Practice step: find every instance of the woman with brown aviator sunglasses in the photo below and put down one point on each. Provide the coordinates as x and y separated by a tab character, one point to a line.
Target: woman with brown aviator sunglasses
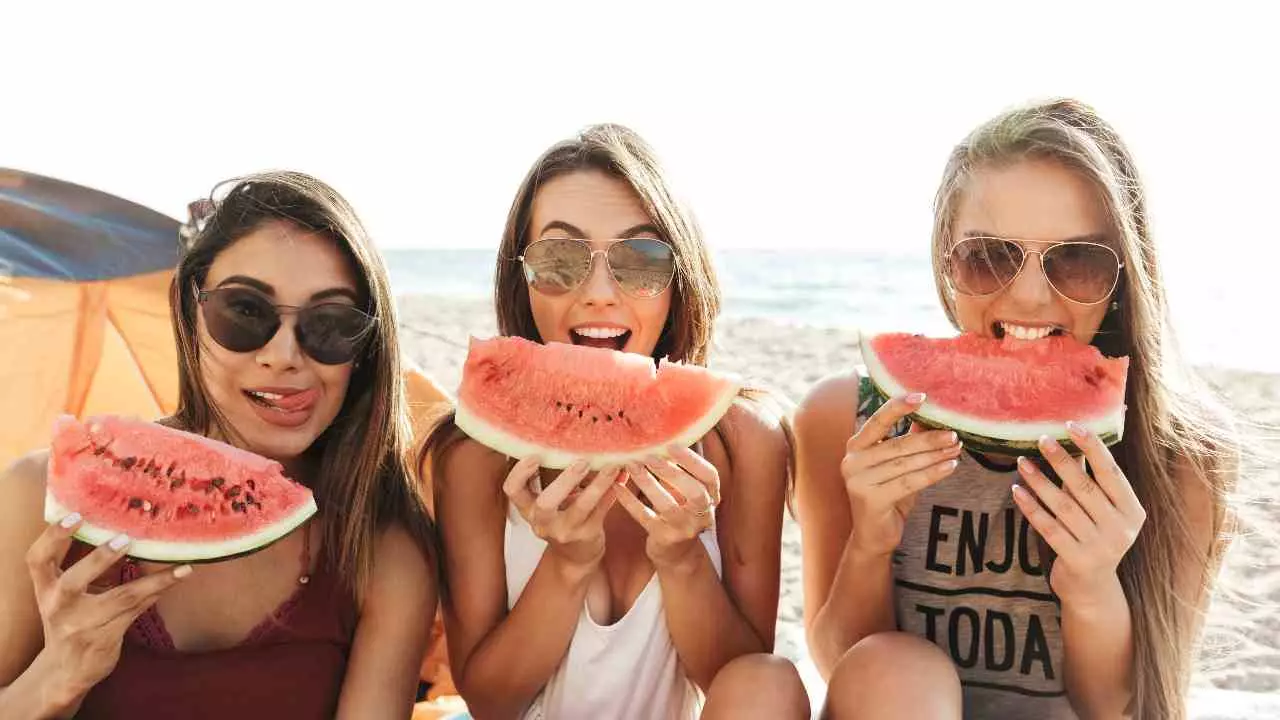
646	591
287	348
941	583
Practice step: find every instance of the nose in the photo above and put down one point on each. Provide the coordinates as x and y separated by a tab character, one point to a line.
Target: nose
282	351
1031	287
599	289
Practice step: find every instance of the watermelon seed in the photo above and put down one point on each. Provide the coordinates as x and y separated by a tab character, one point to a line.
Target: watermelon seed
569	407
579	413
135	503
233	492
619	414
559	404
172	467
192	509
238	507
595	419
248	498
129	462
100	450
176	483
217	482
252	485
608	418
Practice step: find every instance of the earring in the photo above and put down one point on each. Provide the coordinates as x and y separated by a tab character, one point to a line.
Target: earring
1115	305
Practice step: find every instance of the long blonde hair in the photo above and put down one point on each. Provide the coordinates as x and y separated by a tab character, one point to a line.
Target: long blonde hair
364	483
1174	424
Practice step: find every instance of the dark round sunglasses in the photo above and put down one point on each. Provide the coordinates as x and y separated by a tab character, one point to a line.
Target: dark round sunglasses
243	320
642	267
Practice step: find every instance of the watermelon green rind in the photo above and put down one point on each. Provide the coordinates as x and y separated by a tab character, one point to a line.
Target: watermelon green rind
513	446
979	435
183	552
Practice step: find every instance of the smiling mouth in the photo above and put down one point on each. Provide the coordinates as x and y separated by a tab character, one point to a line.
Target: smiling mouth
609	338
1001	329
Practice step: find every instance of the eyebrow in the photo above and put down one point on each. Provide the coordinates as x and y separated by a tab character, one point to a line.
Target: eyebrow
266	289
1096	238
578	233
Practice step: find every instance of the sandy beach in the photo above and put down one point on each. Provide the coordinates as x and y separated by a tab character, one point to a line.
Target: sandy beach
1242	646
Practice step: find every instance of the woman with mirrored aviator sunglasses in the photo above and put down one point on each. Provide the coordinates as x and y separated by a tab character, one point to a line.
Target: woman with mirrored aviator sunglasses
287	348
644	591
944	583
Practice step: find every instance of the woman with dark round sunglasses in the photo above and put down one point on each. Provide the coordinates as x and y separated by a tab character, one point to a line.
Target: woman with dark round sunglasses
646	591
941	583
287	347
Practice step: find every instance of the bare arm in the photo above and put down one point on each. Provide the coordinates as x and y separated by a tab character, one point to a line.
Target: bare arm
500	660
712	621
26	681
847	595
391	636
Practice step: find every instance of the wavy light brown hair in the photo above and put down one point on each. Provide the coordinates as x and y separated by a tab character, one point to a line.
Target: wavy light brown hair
364	483
1175	428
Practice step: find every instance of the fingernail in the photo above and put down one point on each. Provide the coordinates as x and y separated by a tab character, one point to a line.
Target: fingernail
70	520
1077	430
182	571
953	438
1018	491
1047	444
915	398
952	464
119	542
1023	463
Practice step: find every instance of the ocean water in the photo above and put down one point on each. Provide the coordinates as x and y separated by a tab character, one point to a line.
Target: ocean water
883	290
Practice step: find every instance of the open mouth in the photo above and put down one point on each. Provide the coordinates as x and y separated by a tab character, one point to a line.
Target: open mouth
1001	329
609	338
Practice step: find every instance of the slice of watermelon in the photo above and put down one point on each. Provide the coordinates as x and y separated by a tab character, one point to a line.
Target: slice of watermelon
1001	396
563	402
180	497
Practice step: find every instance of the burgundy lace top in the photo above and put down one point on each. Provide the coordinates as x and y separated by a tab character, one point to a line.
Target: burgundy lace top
290	666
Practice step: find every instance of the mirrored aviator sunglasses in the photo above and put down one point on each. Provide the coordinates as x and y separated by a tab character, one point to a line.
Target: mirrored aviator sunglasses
243	320
642	267
1082	272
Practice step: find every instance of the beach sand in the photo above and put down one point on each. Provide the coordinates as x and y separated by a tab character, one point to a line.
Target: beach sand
1242	647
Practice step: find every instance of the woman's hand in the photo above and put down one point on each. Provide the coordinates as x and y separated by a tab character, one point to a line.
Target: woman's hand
682	491
1089	522
567	515
83	631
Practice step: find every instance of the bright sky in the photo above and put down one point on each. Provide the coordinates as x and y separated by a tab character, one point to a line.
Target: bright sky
796	124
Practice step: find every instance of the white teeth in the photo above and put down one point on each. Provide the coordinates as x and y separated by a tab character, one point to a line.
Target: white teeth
1023	332
600	332
266	395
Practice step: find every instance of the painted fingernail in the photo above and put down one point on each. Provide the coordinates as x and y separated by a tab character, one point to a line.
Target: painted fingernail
182	571
953	438
1024	464
70	520
119	542
915	398
1077	430
1019	491
1047	444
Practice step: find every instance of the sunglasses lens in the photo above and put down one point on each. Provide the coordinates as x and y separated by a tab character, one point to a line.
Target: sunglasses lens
981	266
555	266
1084	272
239	319
332	333
643	267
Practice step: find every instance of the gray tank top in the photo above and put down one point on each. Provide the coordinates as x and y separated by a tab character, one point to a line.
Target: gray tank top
968	576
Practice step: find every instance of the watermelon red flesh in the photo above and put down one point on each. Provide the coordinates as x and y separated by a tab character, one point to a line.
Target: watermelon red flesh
180	497
564	402
1002	394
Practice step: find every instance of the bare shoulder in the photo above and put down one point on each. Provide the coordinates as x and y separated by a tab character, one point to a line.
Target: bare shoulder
829	407
22	487
402	572
752	434
470	469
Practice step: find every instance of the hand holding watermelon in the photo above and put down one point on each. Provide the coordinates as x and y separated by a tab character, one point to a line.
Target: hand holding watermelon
83	631
1090	522
883	475
682	492
566	515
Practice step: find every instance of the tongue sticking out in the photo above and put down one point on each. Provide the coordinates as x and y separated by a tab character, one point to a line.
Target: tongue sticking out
288	403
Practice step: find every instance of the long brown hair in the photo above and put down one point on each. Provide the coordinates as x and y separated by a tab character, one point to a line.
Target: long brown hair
1173	425
621	153
363	483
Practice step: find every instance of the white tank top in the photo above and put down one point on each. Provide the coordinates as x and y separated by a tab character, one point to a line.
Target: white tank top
625	671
